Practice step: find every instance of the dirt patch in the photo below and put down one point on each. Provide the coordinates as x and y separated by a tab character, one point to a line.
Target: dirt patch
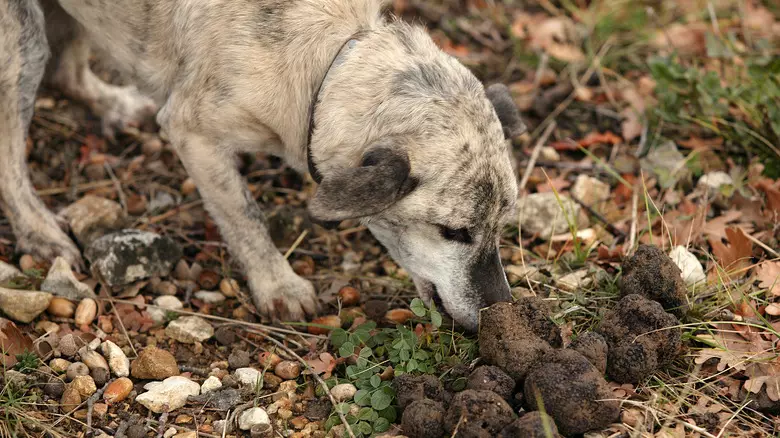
477	414
652	274
594	347
572	392
531	425
642	338
507	340
424	419
410	388
492	378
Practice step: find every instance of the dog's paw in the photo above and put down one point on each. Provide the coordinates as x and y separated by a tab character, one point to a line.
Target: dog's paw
49	243
285	297
124	107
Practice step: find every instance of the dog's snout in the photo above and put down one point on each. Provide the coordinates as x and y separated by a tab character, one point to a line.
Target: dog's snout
487	277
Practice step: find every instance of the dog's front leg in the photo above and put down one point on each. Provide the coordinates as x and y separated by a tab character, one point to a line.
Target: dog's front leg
276	290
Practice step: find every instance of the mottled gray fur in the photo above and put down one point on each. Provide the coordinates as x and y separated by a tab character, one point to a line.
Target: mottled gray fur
406	138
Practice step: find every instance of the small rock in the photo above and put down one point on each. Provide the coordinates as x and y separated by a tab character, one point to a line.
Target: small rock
68	346
424	419
76	369
85	312
70	399
410	388
571	391
209	297
54	388
47	327
189	329
318	409
652	274
253	416
168	395
92	359
225	335
492	378
271	381
324	324
349	296
100	376
229	287
118	390
714	180
477	414
137	430
165	304
7	272
210	384
288	370
61	307
531	425
59	365
61	282
543	214
117	360
593	346
85	385
549	153
641	338
221	399
590	191
238	359
22	305
343	392
248	376
692	270
130	255
165	288
155	364
91	217
574	281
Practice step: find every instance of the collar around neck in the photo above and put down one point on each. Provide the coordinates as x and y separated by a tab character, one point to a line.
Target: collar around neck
337	60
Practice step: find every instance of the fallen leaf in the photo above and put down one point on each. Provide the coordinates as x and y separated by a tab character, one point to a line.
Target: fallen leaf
599	138
736	256
772	192
323	364
717	226
697	143
769	276
12	342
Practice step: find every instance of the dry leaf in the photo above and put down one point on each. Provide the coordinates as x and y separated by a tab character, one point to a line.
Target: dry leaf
737	255
12	342
769	275
323	364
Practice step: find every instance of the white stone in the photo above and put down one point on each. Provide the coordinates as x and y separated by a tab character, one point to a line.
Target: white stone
343	392
549	153
8	272
60	281
117	360
591	191
248	376
164	303
209	297
253	416
714	180
210	384
168	395
189	329
574	280
692	270
543	214
23	305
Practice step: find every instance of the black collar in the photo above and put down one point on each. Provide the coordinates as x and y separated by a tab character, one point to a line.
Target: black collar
349	44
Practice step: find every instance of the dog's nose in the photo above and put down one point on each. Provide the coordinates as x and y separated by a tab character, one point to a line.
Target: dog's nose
488	277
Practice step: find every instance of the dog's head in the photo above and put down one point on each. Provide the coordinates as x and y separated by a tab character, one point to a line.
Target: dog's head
436	183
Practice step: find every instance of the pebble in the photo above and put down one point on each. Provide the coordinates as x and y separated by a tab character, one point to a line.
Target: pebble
92	358
8	272
210	384
61	307
68	346
209	297
288	369
229	287
343	392
189	329
118	390
22	305
166	303
85	312
59	365
248	376
85	385
47	327
714	180
70	399
91	217
542	214
238	359
591	191
155	364
165	288
225	336
100	376
131	255
76	369
54	388
61	282
117	360
251	417
168	395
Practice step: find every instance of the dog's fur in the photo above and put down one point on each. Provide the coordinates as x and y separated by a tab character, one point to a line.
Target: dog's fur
406	138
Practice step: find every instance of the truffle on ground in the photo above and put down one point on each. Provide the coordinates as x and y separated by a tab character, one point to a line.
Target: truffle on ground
492	378
478	414
654	275
531	425
410	388
423	419
594	347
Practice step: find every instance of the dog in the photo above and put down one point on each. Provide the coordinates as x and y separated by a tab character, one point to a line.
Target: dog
398	134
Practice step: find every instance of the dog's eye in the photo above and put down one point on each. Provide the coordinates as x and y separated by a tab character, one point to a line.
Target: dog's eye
455	235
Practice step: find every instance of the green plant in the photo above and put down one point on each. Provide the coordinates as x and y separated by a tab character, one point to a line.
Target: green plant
409	348
26	362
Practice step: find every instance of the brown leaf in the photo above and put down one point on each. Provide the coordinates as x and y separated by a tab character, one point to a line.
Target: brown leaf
769	275
772	191
323	364
737	255
12	342
598	138
717	226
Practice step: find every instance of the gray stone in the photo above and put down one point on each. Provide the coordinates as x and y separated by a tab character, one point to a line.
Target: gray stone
545	215
60	281
8	272
92	216
130	255
189	329
23	305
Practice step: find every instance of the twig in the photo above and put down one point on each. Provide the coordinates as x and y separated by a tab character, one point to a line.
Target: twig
620	234
91	405
295	244
535	155
161	424
634	207
762	245
319	380
118	187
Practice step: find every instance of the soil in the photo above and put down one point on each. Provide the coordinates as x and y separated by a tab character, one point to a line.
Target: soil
492	378
642	338
652	274
531	425
594	347
507	341
410	388
477	414
572	391
424	419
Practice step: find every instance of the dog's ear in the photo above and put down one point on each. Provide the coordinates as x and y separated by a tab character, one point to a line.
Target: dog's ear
381	180
507	111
